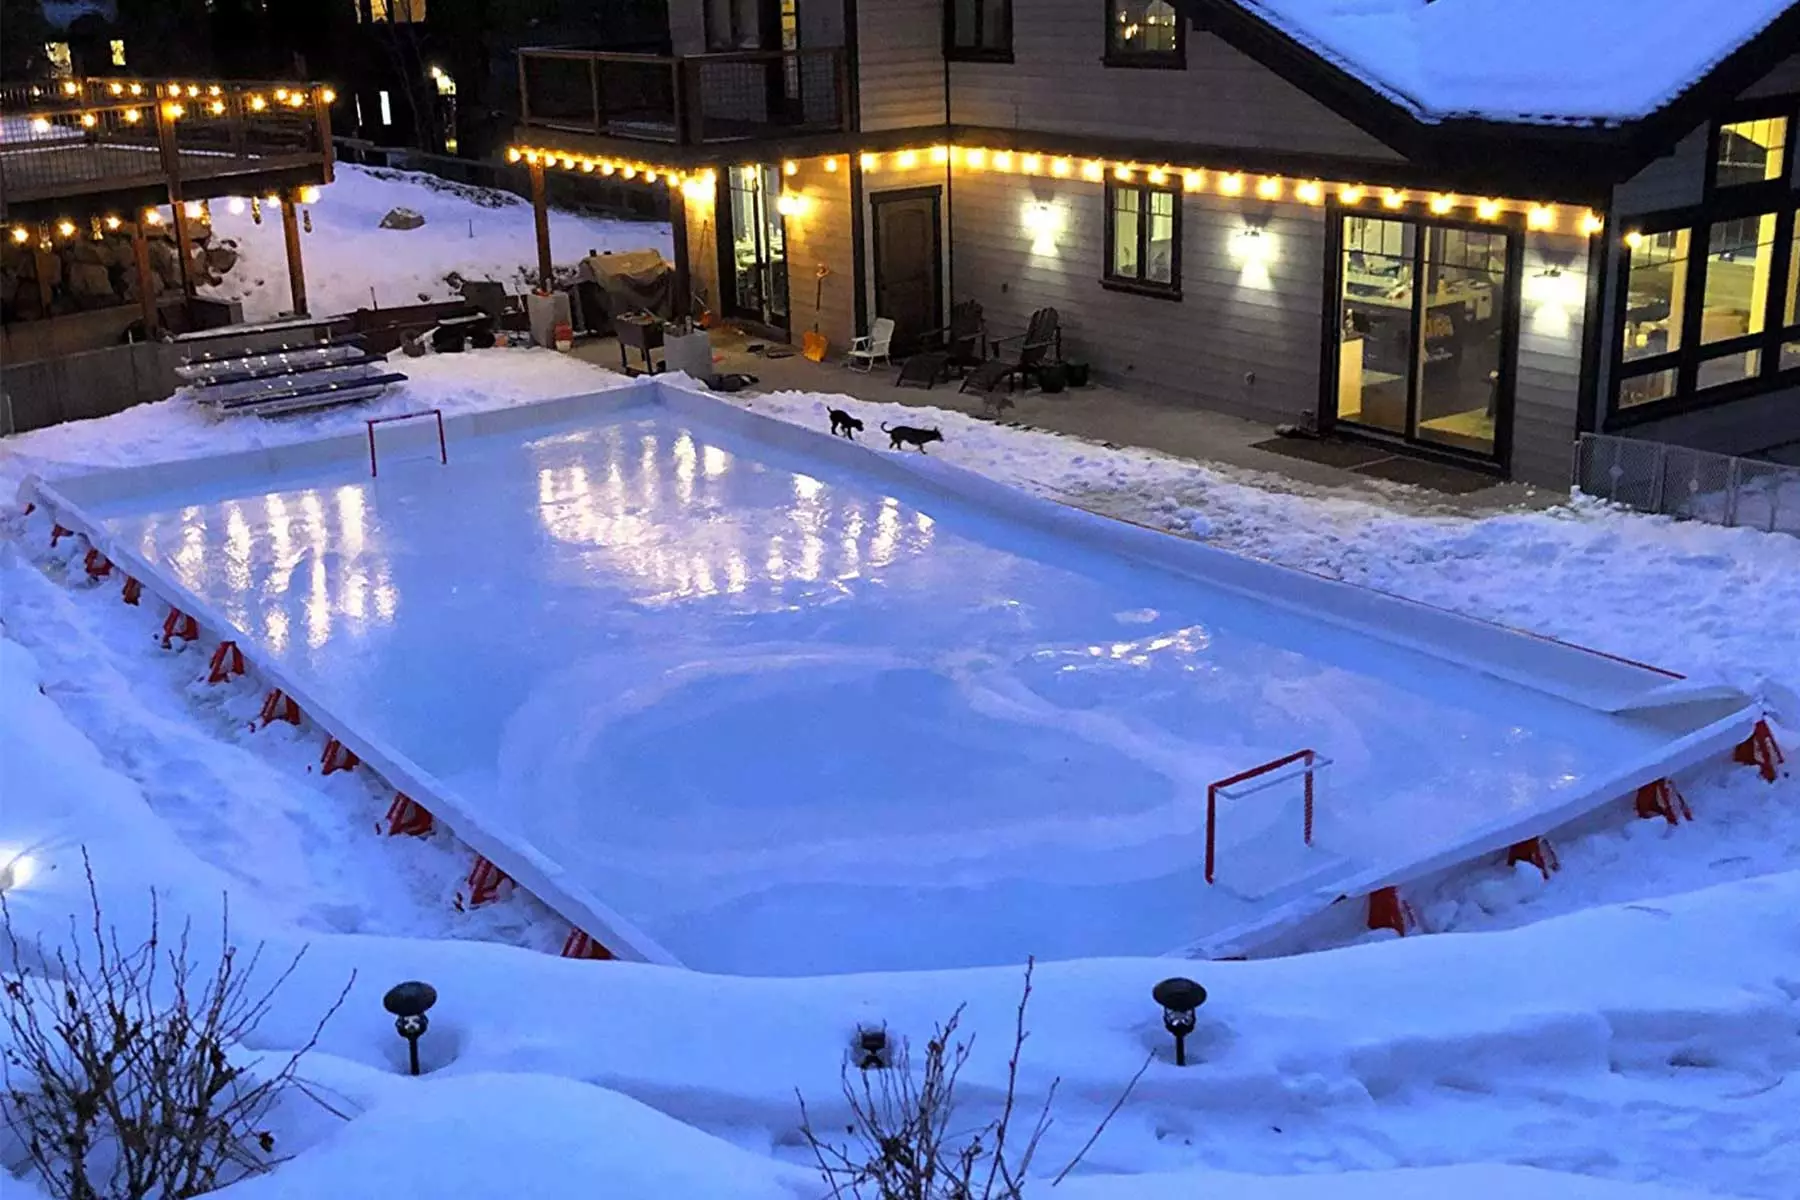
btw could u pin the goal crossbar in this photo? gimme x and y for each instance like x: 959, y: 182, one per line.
x: 372, y: 422
x: 1299, y: 764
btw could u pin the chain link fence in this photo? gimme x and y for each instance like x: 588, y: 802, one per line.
x: 1694, y: 485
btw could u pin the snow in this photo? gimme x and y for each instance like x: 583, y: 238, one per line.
x: 1637, y: 1025
x: 475, y: 232
x: 1560, y: 61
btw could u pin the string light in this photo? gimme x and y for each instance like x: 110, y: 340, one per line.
x: 1269, y: 187
x: 1310, y: 192
x: 235, y: 205
x: 1592, y: 223
x: 1031, y: 164
x: 1390, y: 198
x: 113, y: 222
x: 907, y: 160
x: 1634, y: 239
x: 117, y: 89
x: 1487, y: 209
x: 257, y: 104
x: 975, y: 159
x: 1092, y: 169
x: 21, y: 234
x: 1541, y: 216
x: 940, y: 155
x: 192, y: 210
x: 217, y: 108
x: 1353, y: 194
x: 70, y: 88
x: 173, y: 111
x: 1158, y: 176
x: 136, y: 89
x: 1003, y: 160
x: 1060, y: 167
x: 1232, y: 184
x: 152, y: 217
x: 831, y: 166
x: 281, y: 93
x: 1122, y: 172
x: 1442, y: 203
x: 40, y: 124
x: 309, y: 195
x: 1193, y: 181
x: 328, y: 96
x: 869, y: 161
x: 790, y: 167
x: 514, y: 154
x: 89, y: 120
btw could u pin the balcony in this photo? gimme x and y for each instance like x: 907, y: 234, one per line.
x: 692, y: 100
x: 104, y: 137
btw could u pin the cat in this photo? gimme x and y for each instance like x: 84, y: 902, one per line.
x: 903, y: 435
x: 842, y: 422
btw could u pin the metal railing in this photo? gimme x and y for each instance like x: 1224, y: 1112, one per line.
x: 1694, y: 485
x: 105, y: 135
x: 689, y: 100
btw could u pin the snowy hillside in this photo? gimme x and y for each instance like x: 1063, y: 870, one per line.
x: 476, y: 233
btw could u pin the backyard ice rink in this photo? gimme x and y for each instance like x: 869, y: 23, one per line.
x: 783, y: 716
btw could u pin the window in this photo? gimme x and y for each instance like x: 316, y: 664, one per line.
x: 1750, y: 152
x: 1143, y: 240
x: 62, y: 64
x: 387, y: 110
x: 1144, y: 33
x: 733, y: 25
x: 399, y: 12
x: 118, y: 52
x: 1708, y: 306
x: 979, y: 30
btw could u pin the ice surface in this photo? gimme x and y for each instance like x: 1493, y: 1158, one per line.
x: 785, y: 718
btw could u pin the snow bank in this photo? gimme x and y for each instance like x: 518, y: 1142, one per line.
x: 351, y: 262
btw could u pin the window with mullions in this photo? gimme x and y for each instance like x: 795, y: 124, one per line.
x: 979, y: 30
x: 1144, y: 33
x: 1790, y: 305
x: 1143, y: 241
x: 1750, y: 152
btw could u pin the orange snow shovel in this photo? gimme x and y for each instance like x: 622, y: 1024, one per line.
x: 812, y: 342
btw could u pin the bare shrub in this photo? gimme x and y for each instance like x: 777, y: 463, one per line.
x: 901, y: 1144
x: 124, y: 1073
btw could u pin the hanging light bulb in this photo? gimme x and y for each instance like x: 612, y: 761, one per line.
x: 306, y: 219
x: 256, y: 209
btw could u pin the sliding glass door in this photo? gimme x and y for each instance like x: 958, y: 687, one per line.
x: 754, y: 246
x: 1424, y: 330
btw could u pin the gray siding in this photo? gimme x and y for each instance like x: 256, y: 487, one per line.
x: 1782, y: 81
x: 1673, y: 181
x: 1546, y: 390
x: 1057, y: 82
x: 1241, y: 340
x: 1747, y: 426
x: 900, y: 63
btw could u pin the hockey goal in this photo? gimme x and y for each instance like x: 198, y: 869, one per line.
x: 1301, y: 765
x: 437, y: 413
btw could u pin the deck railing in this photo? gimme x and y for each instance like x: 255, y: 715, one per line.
x: 688, y: 100
x: 1690, y: 485
x: 112, y: 134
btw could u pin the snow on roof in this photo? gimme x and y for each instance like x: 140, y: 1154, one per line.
x: 1541, y: 61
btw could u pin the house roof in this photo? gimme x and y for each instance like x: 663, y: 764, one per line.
x: 1544, y: 62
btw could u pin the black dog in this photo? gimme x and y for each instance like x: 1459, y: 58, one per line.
x: 906, y: 435
x: 842, y: 422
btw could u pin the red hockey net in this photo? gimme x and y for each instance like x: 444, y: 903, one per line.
x: 437, y: 413
x: 1302, y: 765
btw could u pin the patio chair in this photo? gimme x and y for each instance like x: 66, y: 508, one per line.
x: 1038, y: 347
x: 871, y: 346
x: 953, y: 349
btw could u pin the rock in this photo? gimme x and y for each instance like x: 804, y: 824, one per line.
x: 84, y: 252
x: 220, y: 259
x: 89, y: 281
x: 402, y: 218
x: 165, y: 263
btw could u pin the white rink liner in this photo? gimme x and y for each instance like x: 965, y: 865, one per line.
x: 1667, y: 724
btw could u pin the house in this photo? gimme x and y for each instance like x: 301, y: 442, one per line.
x: 1471, y: 229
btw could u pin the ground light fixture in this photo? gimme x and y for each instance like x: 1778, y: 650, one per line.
x: 408, y: 1002
x: 871, y: 1045
x: 1179, y: 999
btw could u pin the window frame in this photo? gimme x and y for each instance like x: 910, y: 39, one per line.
x: 1151, y: 60
x: 977, y: 52
x: 1138, y: 285
x: 1743, y: 201
x: 1772, y: 187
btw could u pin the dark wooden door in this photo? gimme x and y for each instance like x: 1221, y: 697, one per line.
x: 908, y: 264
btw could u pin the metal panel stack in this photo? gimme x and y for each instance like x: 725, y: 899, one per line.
x: 281, y: 366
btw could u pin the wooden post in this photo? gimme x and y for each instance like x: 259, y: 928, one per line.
x: 290, y: 230
x: 146, y: 280
x: 184, y: 241
x: 540, y: 211
x: 684, y: 287
x: 594, y: 86
x: 40, y: 266
x: 322, y: 115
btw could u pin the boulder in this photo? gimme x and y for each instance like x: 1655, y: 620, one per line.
x: 166, y: 263
x: 84, y: 252
x: 402, y: 218
x: 220, y: 259
x: 89, y: 281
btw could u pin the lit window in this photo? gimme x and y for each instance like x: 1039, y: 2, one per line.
x: 980, y: 29
x: 1143, y: 33
x: 1790, y: 308
x: 387, y: 110
x: 1740, y: 256
x: 1654, y: 293
x: 118, y: 52
x: 1143, y: 245
x: 60, y: 62
x: 1750, y: 151
x: 400, y: 12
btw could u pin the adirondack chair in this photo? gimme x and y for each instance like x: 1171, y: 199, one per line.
x: 873, y: 345
x: 953, y: 349
x: 1038, y: 347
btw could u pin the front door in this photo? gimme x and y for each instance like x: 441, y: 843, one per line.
x: 753, y: 245
x: 1426, y: 332
x: 908, y: 270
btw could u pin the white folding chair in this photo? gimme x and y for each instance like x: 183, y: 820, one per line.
x: 873, y: 345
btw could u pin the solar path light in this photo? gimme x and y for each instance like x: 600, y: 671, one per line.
x: 408, y: 1002
x: 1179, y: 999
